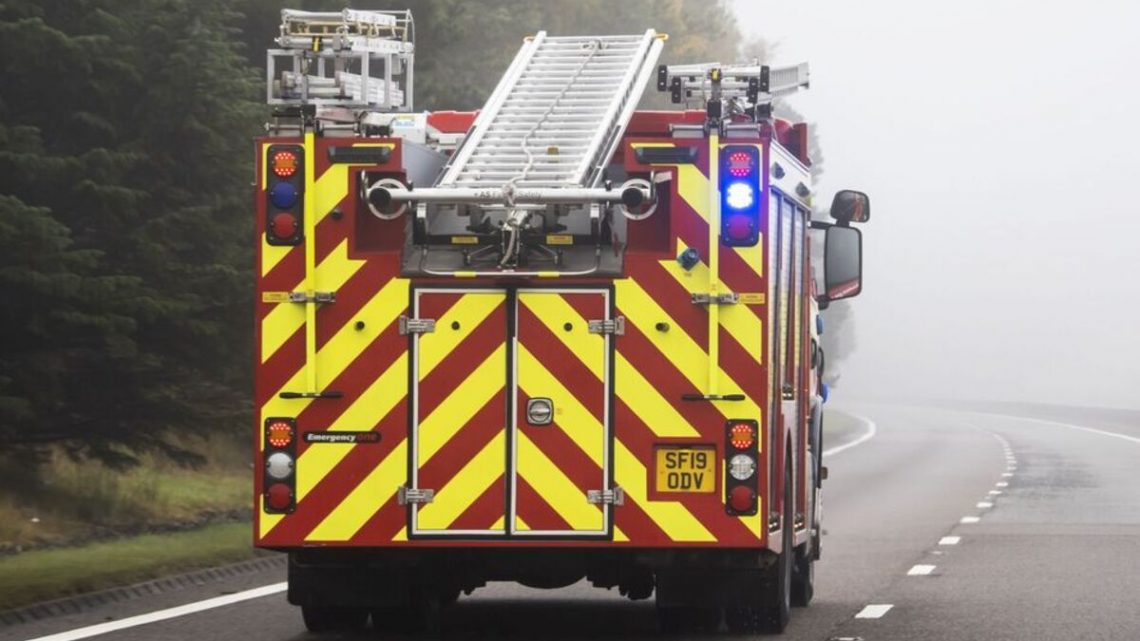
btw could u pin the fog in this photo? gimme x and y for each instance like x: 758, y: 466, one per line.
x: 1000, y: 144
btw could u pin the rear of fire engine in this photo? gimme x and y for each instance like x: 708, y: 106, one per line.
x: 552, y: 340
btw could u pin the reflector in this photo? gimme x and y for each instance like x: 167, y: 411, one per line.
x: 284, y: 225
x: 279, y: 497
x: 742, y: 499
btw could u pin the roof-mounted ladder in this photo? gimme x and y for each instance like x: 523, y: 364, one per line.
x: 551, y: 125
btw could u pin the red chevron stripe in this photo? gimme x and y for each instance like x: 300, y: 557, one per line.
x: 463, y: 360
x: 485, y: 510
x: 534, y: 511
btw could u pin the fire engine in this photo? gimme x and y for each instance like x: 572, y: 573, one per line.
x: 557, y: 339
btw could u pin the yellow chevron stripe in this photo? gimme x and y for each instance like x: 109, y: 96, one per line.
x: 556, y: 488
x: 286, y: 318
x: 571, y: 417
x: 366, y: 499
x: 645, y: 399
x: 678, y: 347
x: 461, y: 491
x: 445, y: 421
x: 553, y: 310
x: 672, y: 517
x: 379, y: 312
x: 741, y: 322
x: 469, y: 311
x: 372, y: 406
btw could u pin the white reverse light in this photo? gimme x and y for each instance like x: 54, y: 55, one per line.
x: 279, y: 465
x: 741, y: 467
x: 739, y: 195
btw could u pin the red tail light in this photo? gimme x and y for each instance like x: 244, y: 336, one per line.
x: 279, y: 497
x: 742, y: 499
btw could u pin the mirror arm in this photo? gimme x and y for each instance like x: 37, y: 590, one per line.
x: 823, y: 301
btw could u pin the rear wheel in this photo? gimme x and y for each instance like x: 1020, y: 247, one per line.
x: 772, y: 616
x: 326, y: 619
x: 678, y: 619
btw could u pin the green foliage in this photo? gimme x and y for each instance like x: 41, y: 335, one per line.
x: 124, y: 229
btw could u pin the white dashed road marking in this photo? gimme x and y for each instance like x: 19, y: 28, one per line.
x: 969, y: 519
x: 985, y: 505
x: 874, y: 611
x: 949, y: 540
x: 920, y: 570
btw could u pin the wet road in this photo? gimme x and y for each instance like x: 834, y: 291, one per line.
x: 944, y: 525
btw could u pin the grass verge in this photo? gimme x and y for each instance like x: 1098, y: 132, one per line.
x: 42, y: 575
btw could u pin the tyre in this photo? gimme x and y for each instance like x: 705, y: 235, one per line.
x: 803, y: 577
x: 778, y: 611
x: 773, y: 615
x: 326, y: 619
x: 680, y: 619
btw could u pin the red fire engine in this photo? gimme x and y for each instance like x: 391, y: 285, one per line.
x: 552, y: 340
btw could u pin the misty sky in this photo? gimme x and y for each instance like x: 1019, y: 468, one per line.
x: 1000, y: 144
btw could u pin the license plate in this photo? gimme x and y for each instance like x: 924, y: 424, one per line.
x: 686, y: 469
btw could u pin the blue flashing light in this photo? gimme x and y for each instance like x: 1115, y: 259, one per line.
x: 283, y: 195
x: 739, y: 195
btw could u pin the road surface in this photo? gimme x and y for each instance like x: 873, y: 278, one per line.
x: 943, y: 525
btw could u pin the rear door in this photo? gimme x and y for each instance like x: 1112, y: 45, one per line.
x: 459, y: 412
x: 560, y: 438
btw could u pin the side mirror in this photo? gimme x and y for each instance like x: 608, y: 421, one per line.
x: 843, y: 262
x: 851, y: 206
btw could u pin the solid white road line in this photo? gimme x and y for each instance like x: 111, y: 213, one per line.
x: 1082, y: 428
x: 162, y: 615
x: 874, y: 611
x: 969, y: 519
x: 920, y: 570
x: 872, y: 429
x: 949, y: 540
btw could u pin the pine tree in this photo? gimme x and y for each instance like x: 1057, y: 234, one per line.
x: 125, y: 225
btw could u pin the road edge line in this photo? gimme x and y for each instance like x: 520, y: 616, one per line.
x: 163, y: 615
x: 872, y: 430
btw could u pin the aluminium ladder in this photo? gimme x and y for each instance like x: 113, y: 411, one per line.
x: 557, y: 115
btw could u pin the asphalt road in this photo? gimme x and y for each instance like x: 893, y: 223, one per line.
x: 968, y: 526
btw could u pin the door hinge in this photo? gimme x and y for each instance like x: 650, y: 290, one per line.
x: 616, y: 496
x: 615, y: 326
x: 416, y: 325
x: 312, y: 297
x: 408, y: 495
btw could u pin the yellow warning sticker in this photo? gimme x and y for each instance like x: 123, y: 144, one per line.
x: 753, y: 298
x: 559, y: 239
x: 464, y: 240
x: 275, y: 297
